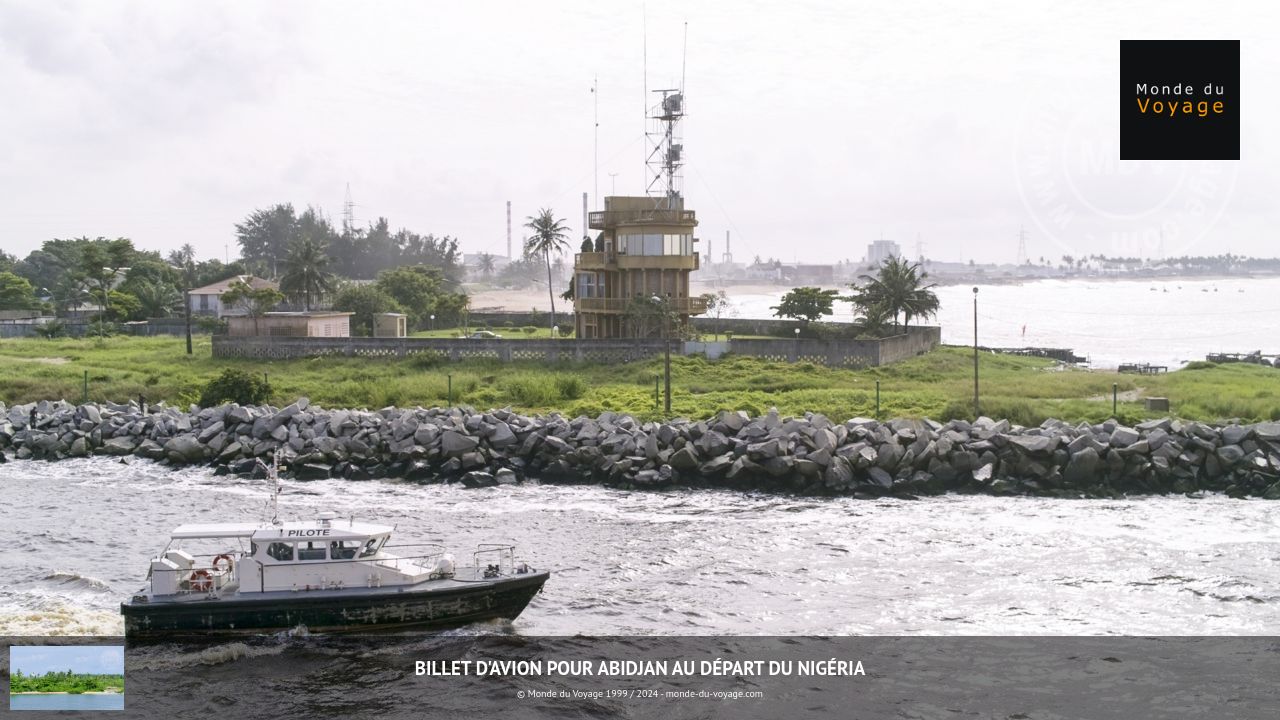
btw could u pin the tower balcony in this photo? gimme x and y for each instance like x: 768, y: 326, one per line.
x: 680, y: 305
x: 615, y: 261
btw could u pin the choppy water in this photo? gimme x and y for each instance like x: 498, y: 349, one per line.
x: 1163, y: 322
x: 78, y: 535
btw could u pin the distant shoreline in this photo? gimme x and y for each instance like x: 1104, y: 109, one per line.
x: 64, y: 692
x: 487, y: 299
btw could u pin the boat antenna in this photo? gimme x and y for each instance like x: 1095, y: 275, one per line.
x: 274, y: 474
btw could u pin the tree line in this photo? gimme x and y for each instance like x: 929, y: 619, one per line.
x: 364, y: 270
x: 109, y: 274
x: 269, y: 236
x: 64, y: 681
x: 898, y: 290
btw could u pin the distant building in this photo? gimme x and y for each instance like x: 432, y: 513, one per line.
x: 292, y: 324
x: 207, y: 300
x: 647, y: 251
x: 809, y: 274
x: 769, y: 270
x: 390, y: 325
x: 880, y: 250
x: 471, y: 262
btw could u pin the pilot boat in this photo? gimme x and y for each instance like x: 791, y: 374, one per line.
x: 327, y: 574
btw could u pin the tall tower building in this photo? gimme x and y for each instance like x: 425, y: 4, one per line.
x: 646, y: 251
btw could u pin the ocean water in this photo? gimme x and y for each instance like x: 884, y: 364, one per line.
x: 1162, y: 322
x: 692, y: 562
x: 93, y: 701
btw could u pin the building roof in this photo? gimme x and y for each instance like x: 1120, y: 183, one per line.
x: 307, y: 314
x: 222, y: 286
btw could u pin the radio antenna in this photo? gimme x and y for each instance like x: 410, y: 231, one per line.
x: 644, y: 66
x: 684, y: 55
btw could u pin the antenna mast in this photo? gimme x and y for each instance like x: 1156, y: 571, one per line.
x: 1022, y: 246
x: 666, y: 145
x: 595, y: 96
x: 348, y: 213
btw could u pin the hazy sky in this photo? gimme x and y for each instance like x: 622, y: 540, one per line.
x: 813, y: 127
x: 89, y: 659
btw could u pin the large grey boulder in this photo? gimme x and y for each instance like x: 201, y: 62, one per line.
x: 454, y: 443
x: 184, y: 448
x: 120, y: 445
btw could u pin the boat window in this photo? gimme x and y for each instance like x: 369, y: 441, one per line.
x: 343, y: 549
x: 280, y: 551
x: 372, y: 546
x: 311, y: 552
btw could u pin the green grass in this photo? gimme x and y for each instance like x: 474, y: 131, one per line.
x: 937, y: 385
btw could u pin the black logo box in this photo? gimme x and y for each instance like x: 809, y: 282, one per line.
x: 1191, y: 65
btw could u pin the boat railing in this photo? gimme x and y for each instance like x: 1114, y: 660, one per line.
x: 197, y: 579
x: 491, y: 552
x: 402, y: 563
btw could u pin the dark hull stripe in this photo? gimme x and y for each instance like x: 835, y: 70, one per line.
x: 432, y: 609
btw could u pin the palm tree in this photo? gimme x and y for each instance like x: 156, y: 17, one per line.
x: 549, y: 235
x: 896, y: 289
x: 182, y: 257
x: 159, y: 300
x: 306, y: 272
x: 486, y: 264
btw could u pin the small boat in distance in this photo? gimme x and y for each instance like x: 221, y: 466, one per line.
x: 327, y: 574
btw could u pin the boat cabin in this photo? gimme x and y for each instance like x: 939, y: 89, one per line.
x: 325, y: 553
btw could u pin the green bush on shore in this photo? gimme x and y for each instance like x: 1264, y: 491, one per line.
x: 937, y: 385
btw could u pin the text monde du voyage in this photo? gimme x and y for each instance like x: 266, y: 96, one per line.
x: 621, y: 668
x: 1180, y: 100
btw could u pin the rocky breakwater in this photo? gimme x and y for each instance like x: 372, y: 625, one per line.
x: 809, y: 454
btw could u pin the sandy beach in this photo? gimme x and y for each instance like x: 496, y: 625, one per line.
x: 491, y: 300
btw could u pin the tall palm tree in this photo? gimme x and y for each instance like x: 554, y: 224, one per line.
x: 182, y: 257
x: 159, y: 300
x: 549, y: 235
x: 896, y: 289
x: 306, y: 273
x: 486, y: 264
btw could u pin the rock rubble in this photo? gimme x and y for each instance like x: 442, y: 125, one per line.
x: 810, y: 454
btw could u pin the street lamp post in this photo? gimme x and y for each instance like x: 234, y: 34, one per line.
x: 796, y: 347
x: 666, y: 353
x: 976, y: 412
x: 433, y: 323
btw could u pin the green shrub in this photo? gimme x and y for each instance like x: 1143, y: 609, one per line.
x: 211, y: 325
x: 1200, y: 365
x: 50, y: 330
x: 236, y: 386
x: 101, y: 328
x: 570, y: 387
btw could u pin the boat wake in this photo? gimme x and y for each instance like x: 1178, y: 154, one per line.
x: 62, y: 620
x: 75, y: 581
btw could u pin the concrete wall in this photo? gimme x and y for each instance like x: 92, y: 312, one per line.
x: 280, y: 348
x: 836, y: 353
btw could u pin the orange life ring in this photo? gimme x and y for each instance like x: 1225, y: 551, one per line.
x: 201, y: 581
x: 230, y: 562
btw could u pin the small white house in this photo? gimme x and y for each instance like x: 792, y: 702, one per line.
x: 207, y: 300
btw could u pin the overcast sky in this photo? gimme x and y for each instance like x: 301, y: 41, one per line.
x: 88, y: 659
x: 813, y: 127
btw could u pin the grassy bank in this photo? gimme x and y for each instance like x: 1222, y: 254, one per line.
x: 937, y: 385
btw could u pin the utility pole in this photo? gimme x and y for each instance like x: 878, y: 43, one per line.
x: 509, y: 257
x: 976, y: 412
x: 664, y: 304
x: 187, y: 301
